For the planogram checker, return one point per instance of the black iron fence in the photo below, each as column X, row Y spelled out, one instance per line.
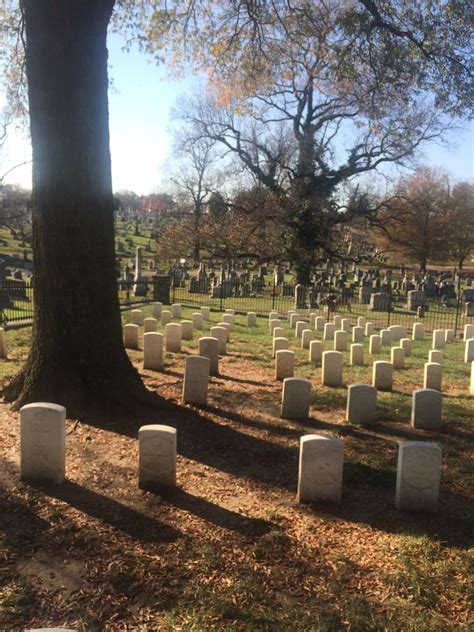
column 17, row 298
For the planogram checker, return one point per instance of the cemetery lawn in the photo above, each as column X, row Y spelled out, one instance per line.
column 232, row 550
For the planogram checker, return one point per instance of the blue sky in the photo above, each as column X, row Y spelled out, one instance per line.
column 140, row 101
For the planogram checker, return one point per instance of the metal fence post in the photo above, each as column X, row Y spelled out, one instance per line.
column 458, row 307
column 273, row 295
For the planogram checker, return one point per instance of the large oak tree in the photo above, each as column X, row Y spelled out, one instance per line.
column 77, row 356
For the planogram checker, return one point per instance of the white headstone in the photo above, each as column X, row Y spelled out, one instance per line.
column 251, row 319
column 439, row 339
column 205, row 311
column 332, row 368
column 230, row 311
column 337, row 320
column 296, row 397
column 340, row 340
column 209, row 348
column 279, row 344
column 345, row 325
column 306, row 337
column 294, row 318
column 418, row 332
column 187, row 329
column 137, row 317
column 153, row 351
column 329, row 331
column 382, row 375
column 43, row 442
column 426, row 409
column 398, row 332
column 358, row 334
column 435, row 356
column 166, row 317
column 273, row 323
column 157, row 457
column 50, row 630
column 225, row 326
column 278, row 332
column 221, row 334
column 130, row 336
column 156, row 309
column 369, row 329
column 361, row 404
column 357, row 355
column 361, row 321
column 150, row 324
column 173, row 333
column 469, row 350
column 196, row 380
column 176, row 310
column 406, row 343
column 468, row 332
column 229, row 319
column 375, row 344
column 433, row 376
column 449, row 335
column 284, row 364
column 385, row 337
column 316, row 349
column 320, row 468
column 418, row 476
column 471, row 388
column 398, row 357
column 272, row 315
column 197, row 320
column 319, row 323
column 300, row 325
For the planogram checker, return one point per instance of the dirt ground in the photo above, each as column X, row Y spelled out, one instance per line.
column 231, row 550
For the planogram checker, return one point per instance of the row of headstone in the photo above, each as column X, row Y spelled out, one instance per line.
column 321, row 464
column 332, row 365
column 332, row 362
column 284, row 367
column 43, row 450
column 361, row 408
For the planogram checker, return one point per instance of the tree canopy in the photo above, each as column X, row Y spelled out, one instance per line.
column 368, row 44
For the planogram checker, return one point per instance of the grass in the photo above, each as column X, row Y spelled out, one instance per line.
column 242, row 555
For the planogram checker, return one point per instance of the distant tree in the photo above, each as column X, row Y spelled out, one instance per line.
column 415, row 221
column 217, row 205
column 176, row 240
column 195, row 178
column 15, row 202
column 15, row 205
column 157, row 203
column 310, row 95
column 461, row 222
column 128, row 200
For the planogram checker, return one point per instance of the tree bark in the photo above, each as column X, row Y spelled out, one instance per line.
column 77, row 357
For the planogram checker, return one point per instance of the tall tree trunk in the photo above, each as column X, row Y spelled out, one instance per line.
column 197, row 234
column 77, row 356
